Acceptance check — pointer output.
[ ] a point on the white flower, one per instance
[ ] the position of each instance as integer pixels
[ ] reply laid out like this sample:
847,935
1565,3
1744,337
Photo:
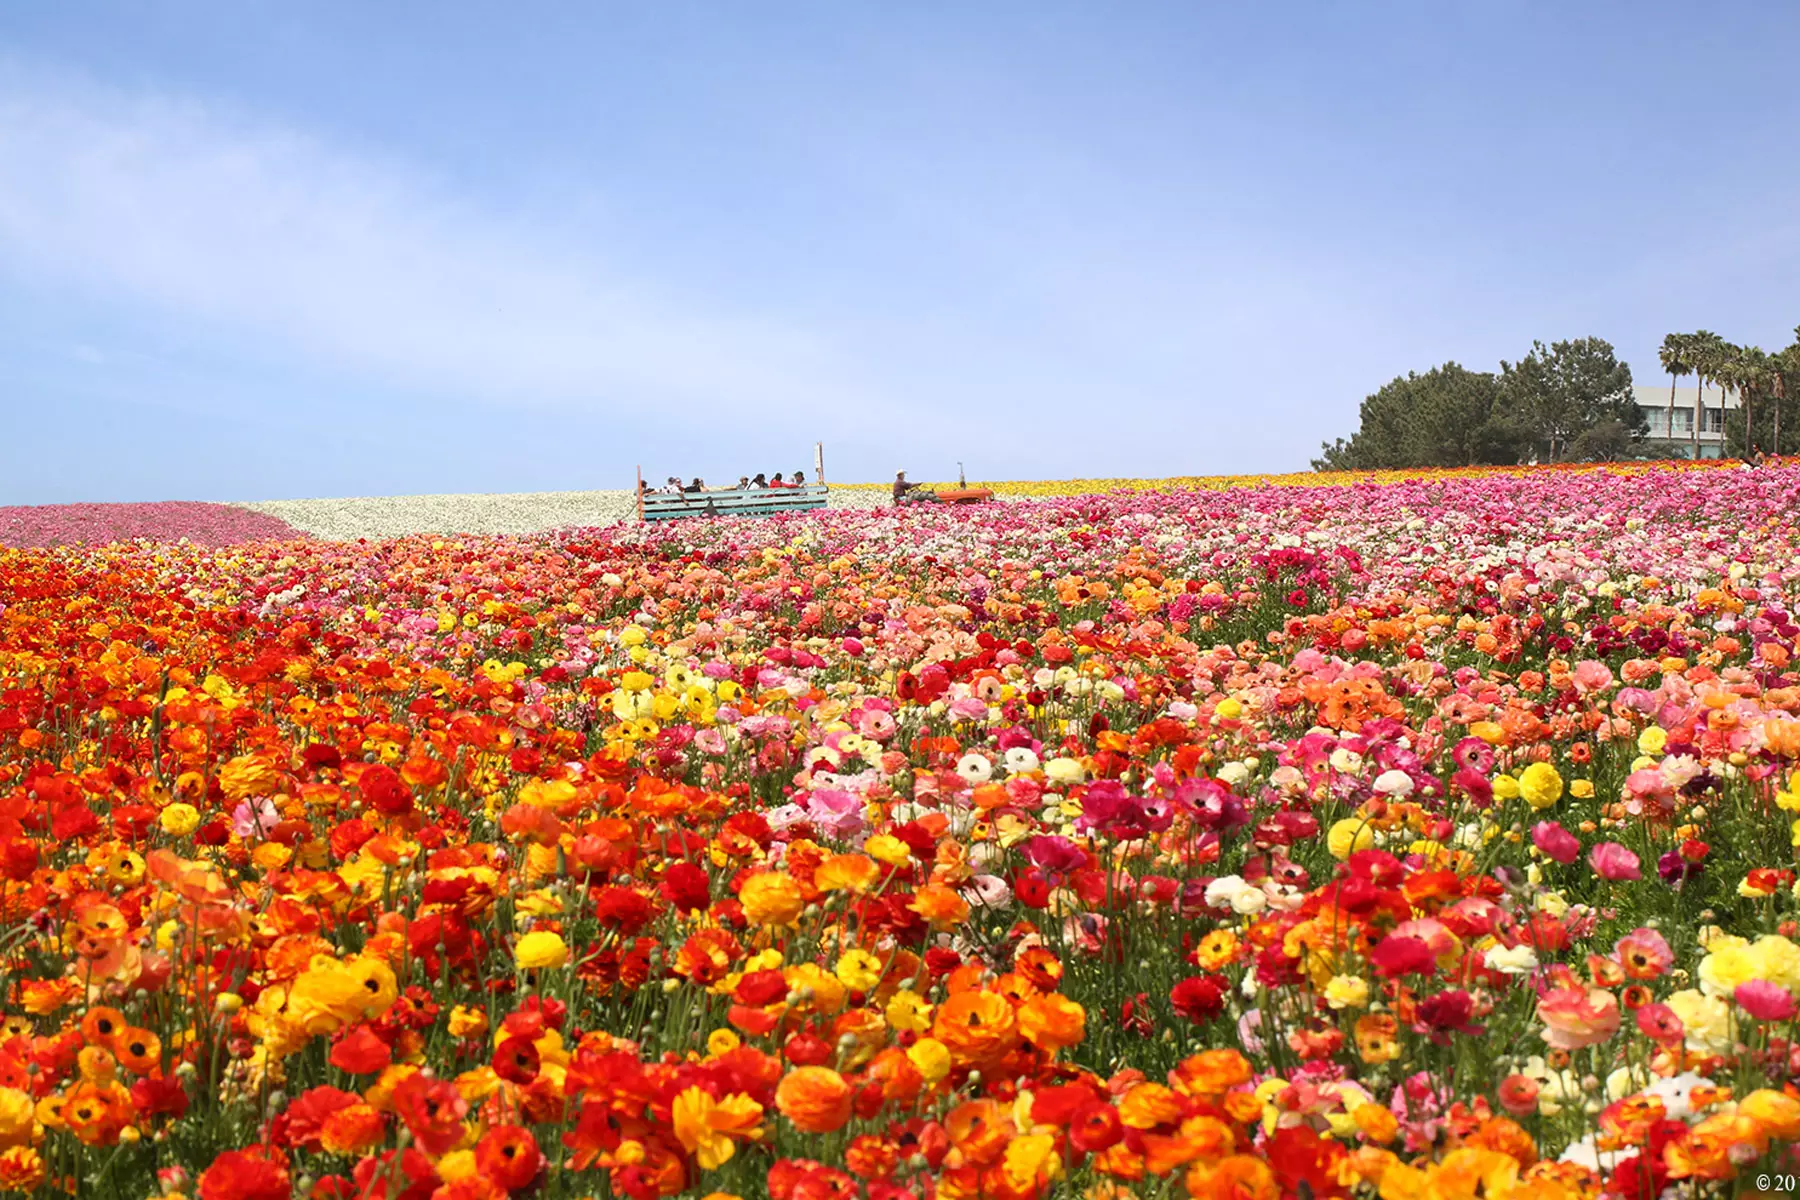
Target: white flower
1233,773
1020,759
1346,762
1517,961
1394,783
974,768
987,891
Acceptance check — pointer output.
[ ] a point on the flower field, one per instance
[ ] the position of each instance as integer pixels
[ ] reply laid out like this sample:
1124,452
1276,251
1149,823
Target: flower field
1426,839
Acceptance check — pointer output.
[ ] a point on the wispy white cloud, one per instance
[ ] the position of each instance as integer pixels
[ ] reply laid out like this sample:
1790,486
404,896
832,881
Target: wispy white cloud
303,249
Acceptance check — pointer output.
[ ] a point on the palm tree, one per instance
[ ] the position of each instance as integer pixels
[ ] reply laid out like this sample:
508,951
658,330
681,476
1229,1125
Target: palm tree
1674,360
1705,354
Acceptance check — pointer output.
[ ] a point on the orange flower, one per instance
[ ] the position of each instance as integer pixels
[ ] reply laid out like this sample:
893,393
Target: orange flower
771,898
942,906
1148,1105
976,1026
354,1129
138,1049
814,1099
1239,1177
980,1129
1053,1022
244,1175
1375,1038
100,1024
97,1112
847,873
1210,1073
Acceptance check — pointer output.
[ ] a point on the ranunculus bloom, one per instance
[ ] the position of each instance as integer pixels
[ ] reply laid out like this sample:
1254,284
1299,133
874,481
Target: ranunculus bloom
1557,843
1399,956
540,948
814,1099
1613,861
1658,1022
1575,1017
1764,1000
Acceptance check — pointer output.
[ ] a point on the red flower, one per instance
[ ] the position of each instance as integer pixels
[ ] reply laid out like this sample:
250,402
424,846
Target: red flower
1199,998
253,1174
360,1052
376,1178
384,791
433,1110
516,1060
159,1097
1399,956
1299,1155
1095,1128
686,887
509,1156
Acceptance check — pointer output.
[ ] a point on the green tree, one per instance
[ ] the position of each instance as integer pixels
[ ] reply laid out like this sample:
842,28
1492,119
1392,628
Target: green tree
1558,393
1704,352
1674,356
1444,418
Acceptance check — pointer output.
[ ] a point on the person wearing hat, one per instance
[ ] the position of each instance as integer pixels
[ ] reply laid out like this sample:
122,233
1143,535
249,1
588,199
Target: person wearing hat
901,487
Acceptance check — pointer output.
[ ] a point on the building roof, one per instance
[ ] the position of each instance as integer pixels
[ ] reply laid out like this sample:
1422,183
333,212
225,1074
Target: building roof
1651,396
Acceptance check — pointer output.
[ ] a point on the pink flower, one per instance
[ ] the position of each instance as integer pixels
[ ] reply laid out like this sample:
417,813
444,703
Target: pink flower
1613,861
1574,1017
1764,1000
1644,953
1592,676
1557,843
1658,1022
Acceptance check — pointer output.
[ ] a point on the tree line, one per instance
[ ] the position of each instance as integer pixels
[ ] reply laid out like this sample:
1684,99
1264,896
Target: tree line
1569,401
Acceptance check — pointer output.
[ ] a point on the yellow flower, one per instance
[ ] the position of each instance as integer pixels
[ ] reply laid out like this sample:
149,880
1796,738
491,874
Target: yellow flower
1489,732
704,1125
1347,991
1652,740
1505,787
1582,789
1777,960
1348,836
909,1012
457,1166
179,820
1229,709
17,1116
722,1041
248,775
771,898
931,1057
540,948
467,1022
325,997
1540,785
858,970
885,847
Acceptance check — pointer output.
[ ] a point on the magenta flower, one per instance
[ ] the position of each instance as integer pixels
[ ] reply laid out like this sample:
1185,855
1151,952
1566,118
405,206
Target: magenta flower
1613,861
1557,843
1764,1000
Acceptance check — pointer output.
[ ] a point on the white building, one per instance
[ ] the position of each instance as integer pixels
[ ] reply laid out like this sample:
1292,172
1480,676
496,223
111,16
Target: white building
1677,441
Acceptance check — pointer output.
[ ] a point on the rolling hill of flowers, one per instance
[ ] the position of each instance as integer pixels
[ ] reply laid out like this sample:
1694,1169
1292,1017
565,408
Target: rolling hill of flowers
1423,838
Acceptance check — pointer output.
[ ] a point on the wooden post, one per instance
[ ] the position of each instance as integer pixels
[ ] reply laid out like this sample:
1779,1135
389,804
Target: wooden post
640,494
819,460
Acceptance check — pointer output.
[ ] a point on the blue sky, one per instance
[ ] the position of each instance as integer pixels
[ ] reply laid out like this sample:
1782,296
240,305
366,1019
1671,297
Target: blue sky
271,250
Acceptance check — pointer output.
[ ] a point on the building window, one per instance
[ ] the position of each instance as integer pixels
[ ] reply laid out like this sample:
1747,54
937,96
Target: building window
1713,421
1684,420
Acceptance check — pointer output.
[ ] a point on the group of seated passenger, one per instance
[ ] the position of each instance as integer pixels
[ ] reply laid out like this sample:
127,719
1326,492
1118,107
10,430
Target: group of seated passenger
674,486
